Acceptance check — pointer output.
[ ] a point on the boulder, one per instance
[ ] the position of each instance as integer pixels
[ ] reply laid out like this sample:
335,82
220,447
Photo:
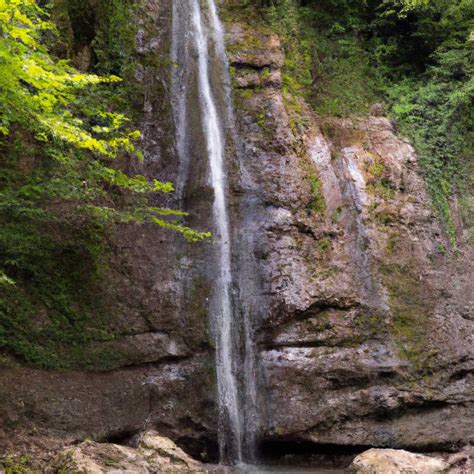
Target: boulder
393,461
154,453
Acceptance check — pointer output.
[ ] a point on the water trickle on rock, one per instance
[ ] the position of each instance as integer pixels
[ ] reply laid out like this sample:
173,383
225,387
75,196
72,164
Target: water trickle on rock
180,57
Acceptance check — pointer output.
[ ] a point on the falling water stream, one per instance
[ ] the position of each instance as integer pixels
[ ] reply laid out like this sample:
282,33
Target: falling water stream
195,32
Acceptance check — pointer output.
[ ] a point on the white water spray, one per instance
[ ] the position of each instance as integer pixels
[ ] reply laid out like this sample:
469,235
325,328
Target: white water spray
248,369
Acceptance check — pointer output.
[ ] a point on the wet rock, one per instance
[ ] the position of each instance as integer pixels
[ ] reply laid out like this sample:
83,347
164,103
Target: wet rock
255,49
250,80
391,461
78,405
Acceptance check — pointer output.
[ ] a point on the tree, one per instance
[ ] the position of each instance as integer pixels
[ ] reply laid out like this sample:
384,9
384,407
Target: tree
41,94
38,92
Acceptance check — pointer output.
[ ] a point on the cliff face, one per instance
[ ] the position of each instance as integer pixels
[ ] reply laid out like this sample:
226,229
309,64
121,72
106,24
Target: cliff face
366,337
361,311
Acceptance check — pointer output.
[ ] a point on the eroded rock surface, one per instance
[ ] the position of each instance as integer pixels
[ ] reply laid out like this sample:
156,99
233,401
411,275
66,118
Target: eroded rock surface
364,339
393,461
147,453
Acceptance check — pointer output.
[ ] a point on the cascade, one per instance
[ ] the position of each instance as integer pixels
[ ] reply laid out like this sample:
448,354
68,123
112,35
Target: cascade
198,42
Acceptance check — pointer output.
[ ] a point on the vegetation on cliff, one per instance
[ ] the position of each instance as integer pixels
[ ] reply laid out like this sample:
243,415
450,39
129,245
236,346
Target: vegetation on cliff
416,56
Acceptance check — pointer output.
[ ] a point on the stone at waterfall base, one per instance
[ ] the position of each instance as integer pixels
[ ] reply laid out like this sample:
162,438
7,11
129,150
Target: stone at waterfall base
395,461
154,454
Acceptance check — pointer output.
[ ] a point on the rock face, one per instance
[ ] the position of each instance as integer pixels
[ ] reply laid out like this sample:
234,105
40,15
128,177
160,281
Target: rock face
104,405
362,312
366,333
391,461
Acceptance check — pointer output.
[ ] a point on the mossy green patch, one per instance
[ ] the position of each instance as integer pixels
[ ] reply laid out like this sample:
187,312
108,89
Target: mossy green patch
62,463
378,184
317,203
410,313
297,115
323,245
375,168
247,13
17,465
370,324
54,311
381,188
336,215
325,65
261,119
55,258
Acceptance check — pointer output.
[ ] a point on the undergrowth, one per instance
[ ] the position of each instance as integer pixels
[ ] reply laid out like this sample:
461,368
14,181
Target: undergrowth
415,57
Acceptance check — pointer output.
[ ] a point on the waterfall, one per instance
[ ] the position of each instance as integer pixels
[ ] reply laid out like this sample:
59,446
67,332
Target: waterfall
193,31
246,285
